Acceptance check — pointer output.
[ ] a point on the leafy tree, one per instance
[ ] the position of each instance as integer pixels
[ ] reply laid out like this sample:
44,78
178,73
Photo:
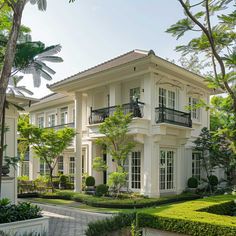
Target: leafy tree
116,139
203,144
48,144
214,23
115,142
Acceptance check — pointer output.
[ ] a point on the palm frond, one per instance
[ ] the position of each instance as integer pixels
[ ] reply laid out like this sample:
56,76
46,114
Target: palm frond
54,59
50,51
42,4
45,67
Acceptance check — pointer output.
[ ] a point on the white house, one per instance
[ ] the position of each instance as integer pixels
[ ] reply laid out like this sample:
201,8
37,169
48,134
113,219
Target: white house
164,157
9,183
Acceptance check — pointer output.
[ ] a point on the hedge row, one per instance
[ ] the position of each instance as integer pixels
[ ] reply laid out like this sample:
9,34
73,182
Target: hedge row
108,225
126,203
193,218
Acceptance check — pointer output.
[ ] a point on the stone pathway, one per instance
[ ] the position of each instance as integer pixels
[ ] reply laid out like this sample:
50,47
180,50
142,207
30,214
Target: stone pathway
67,221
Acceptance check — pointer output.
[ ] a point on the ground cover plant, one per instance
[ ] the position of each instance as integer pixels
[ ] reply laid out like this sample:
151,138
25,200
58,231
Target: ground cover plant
22,211
208,216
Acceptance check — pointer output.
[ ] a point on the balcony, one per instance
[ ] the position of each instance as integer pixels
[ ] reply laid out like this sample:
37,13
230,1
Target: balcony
171,116
62,126
99,115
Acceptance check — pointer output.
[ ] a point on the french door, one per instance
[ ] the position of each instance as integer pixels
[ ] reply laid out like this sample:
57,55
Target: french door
167,169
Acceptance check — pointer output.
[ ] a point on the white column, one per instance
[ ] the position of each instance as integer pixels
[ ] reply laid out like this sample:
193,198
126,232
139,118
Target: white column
181,171
151,168
78,142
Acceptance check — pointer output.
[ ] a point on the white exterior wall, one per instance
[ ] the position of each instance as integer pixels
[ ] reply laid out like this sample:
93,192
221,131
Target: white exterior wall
152,137
9,183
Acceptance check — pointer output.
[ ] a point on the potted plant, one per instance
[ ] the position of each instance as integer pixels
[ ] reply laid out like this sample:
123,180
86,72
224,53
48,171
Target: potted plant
9,161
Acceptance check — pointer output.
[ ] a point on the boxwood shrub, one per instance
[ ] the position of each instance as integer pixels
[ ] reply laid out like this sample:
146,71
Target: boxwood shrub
200,217
124,203
108,225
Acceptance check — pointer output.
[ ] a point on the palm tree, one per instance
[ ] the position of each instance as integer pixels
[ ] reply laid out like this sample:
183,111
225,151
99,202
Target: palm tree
30,59
17,7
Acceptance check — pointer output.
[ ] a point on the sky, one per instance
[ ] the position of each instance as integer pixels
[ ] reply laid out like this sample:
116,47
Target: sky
93,31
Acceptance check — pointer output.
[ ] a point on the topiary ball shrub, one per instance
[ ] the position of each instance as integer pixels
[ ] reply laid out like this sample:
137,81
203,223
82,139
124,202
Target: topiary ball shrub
192,182
63,182
101,190
90,181
213,180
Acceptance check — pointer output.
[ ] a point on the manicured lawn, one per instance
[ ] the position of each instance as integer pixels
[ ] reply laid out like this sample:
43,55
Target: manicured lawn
198,217
73,204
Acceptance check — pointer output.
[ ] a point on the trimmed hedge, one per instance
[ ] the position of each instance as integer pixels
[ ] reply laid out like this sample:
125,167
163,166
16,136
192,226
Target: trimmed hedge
193,218
108,225
126,203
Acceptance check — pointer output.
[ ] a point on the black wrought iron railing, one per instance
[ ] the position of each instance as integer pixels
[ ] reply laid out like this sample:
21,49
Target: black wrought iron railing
167,115
99,115
57,127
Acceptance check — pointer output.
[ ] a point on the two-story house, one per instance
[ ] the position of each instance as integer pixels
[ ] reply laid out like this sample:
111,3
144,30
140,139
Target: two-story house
157,92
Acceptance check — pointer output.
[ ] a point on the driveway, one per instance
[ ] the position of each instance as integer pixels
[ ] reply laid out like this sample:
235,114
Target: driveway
67,221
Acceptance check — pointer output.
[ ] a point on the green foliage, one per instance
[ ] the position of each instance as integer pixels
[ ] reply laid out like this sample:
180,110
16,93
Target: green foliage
63,181
22,211
4,202
190,219
117,180
23,178
116,140
128,202
213,180
48,144
192,182
101,190
90,181
99,164
103,227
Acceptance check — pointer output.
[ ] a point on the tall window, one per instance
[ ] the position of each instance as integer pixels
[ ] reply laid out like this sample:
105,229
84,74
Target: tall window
134,93
167,98
44,169
60,165
41,121
196,165
126,169
64,115
166,169
136,170
72,165
195,112
51,120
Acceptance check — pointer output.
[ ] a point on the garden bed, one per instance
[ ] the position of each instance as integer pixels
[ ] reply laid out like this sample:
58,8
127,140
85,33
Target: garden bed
121,203
209,216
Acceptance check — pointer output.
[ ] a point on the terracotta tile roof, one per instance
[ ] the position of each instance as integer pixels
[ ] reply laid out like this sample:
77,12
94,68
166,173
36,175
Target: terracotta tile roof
122,59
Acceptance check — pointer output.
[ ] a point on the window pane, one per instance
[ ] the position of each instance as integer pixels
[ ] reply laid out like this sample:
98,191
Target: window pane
136,170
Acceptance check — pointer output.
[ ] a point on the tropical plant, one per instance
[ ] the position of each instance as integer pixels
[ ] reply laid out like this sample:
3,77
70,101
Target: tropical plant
11,28
212,26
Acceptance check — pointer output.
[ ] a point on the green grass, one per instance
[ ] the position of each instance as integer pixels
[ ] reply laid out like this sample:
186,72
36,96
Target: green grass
76,205
192,217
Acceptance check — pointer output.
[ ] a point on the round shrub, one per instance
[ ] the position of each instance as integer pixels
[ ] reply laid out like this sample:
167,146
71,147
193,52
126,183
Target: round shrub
90,181
213,180
192,182
63,181
101,190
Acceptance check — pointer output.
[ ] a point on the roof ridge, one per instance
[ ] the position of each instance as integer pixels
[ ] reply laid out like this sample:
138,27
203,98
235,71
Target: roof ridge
103,63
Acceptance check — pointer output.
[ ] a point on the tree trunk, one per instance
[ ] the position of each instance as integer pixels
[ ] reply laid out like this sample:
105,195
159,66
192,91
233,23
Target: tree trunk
2,145
5,73
50,178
